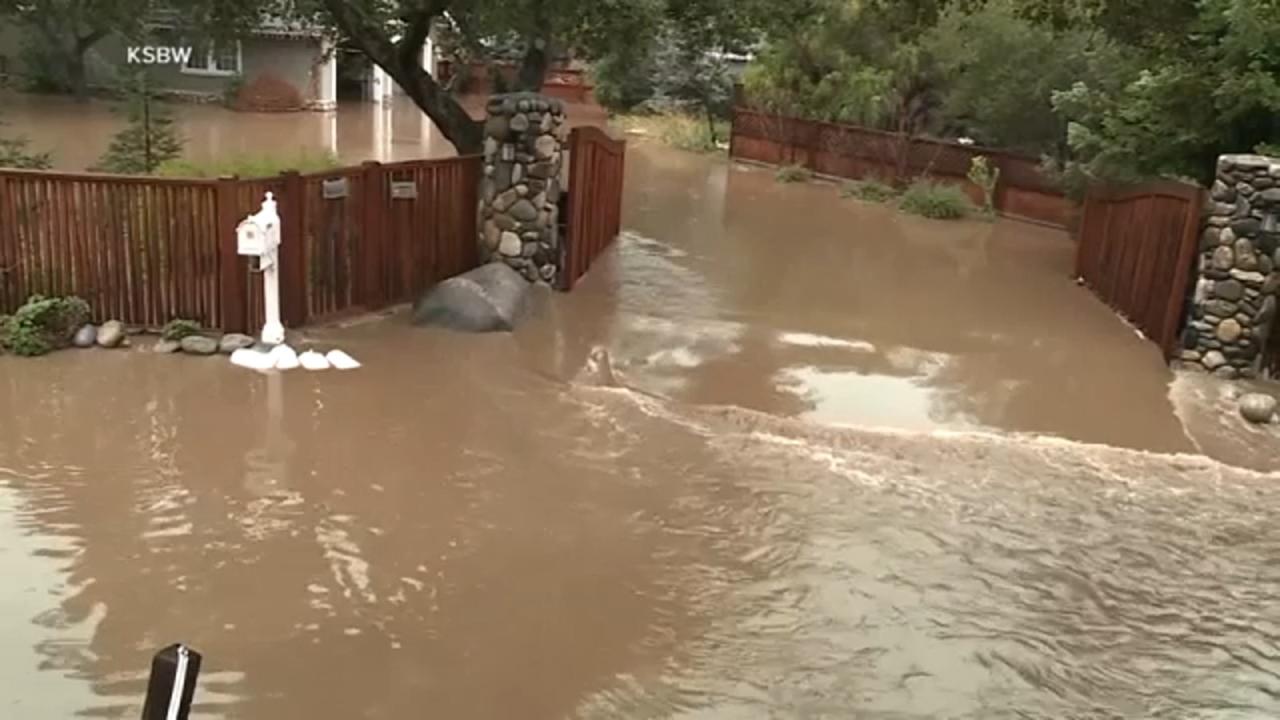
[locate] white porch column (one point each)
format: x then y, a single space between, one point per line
381 86
382 131
327 68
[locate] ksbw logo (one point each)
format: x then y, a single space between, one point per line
158 55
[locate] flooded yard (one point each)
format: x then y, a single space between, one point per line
779 455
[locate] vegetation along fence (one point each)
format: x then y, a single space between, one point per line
595 199
854 152
146 250
1136 251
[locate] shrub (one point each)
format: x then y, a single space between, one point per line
251 166
793 173
43 324
175 330
14 153
935 200
982 174
869 190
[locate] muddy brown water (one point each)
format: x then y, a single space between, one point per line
780 455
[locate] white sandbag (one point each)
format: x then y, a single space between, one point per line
252 359
284 357
341 360
312 360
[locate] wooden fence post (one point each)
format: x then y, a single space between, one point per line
233 280
372 203
293 256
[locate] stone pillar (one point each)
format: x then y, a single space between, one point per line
1238 284
521 184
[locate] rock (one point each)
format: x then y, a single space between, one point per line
85 337
1258 407
517 174
232 342
519 123
165 347
1214 359
509 245
505 222
496 127
502 176
1228 330
1265 264
1222 192
1271 195
1249 276
1221 308
522 190
545 147
490 235
490 146
488 190
1223 258
1228 289
199 345
1190 355
524 211
1226 372
547 124
111 334
542 170
492 297
505 200
1246 226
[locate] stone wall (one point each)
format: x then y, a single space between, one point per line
524 134
1234 307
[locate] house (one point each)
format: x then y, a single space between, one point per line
278 66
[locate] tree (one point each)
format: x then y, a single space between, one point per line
1181 97
149 140
1000 71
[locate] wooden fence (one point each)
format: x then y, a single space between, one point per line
147 250
594 204
1136 251
854 152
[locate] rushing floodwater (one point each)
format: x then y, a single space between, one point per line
780 456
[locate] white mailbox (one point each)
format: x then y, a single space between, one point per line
259 236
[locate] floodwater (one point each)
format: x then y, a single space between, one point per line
76 134
781 455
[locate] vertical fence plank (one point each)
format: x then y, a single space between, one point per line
231 275
293 278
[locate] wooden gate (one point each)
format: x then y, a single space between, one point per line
1137 248
594 205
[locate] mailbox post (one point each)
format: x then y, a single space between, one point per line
259 236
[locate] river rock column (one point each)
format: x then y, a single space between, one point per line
521 186
1238 287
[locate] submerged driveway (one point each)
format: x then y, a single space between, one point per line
732 289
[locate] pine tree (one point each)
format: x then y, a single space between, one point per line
149 140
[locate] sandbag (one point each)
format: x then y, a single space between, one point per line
492 297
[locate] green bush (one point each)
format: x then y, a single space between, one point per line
869 190
175 330
935 200
793 173
251 166
43 324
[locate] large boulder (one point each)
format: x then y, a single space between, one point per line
111 334
489 298
1258 407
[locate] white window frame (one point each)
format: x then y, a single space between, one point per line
211 69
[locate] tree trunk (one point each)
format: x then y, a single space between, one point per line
77 80
533 67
